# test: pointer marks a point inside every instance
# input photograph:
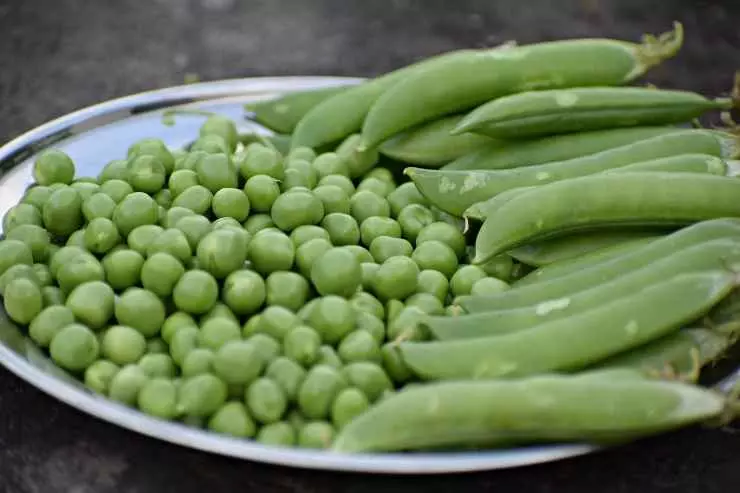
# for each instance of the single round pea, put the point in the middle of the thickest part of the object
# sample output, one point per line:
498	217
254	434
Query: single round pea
265	400
413	219
309	252
375	227
221	252
223	127
231	202
156	345
52	296
196	292
363	301
333	318
153	147
174	322
372	325
288	374
302	152
368	377
116	189
22	214
173	242
182	342
99	205
318	390
334	198
259	159
279	434
426	302
376	185
296	208
396	278
158	397
244	292
336	272
299	173
361	253
403	196
287	289
196	362
163	198
195	227
53	166
101	235
48	322
463	280
35	237
340	181
116	169
160	273
37	196
500	267
258	222
433	282
127	383
216	332
123	345
365	204
277	321
98	376
342	229
384	247
62	213
349	403
141	237
79	270
383	174
233	419
22	300
123	268
268	347
201	395
135	210
197	198
74	347
393	364
435	255
181	180
262	191
215	172
329	357
173	215
488	286
359	345
444	232
146	174
85	188
92	303
142	310
159	365
19	271
316	435
238	362
307	232
219	310
77	239
270	251
368	274
329	163
195	155
302	344
14	252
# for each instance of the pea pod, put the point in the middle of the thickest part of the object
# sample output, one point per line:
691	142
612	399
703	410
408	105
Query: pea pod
469	79
536	409
515	154
593	335
540	113
283	113
431	144
594	275
709	256
454	191
598	201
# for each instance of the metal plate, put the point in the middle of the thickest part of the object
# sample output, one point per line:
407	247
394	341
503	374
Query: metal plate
95	135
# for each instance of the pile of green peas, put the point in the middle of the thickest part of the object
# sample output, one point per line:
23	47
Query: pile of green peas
233	287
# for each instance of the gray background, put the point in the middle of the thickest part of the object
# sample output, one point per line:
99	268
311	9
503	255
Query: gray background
60	55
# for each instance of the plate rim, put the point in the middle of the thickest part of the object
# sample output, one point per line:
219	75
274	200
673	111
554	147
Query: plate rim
206	441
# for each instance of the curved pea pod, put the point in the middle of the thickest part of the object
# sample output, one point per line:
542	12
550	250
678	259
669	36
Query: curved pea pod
470	79
431	144
540	113
706	257
454	191
599	273
578	341
516	154
283	113
607	200
536	409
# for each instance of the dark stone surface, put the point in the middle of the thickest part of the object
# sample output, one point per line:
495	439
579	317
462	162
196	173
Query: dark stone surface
60	55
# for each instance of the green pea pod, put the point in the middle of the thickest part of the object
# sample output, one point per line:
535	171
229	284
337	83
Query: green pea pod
540	113
282	114
454	191
516	154
469	79
593	335
606	200
431	144
594	275
537	409
710	256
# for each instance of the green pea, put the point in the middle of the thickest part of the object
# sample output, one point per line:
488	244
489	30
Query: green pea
123	345
158	365
35	237
197	198
182	342
270	251
98	376
318	390
52	296
309	252
296	208
215	172
196	292
250	326
244	292
140	309
329	163
359	345
221	252
302	152
79	270
280	434
116	190
158	397
365	302
403	196
358	163
375	227
383	174
488	286
146	173
334	198
277	321
156	345
288	374
368	274
365	204
160	273
101	235
340	181
426	302
287	289
74	347
22	214
261	160
77	239
384	247
463	280
92	303
19	271
181	180
136	209
372	325
201	395
231	202
329	357
22	300
349	403
153	147
361	254
376	185
262	191
217	331
446	233
396	278
500	267
267	346
299	173
266	400
171	241
407	326
141	237
233	419
37	196
302	344
370	378
123	268
342	229
15	252
223	127
163	198
333	317
394	365
174	322
127	383
305	233
195	227
196	362
336	272
62	213
85	188
173	215
48	322
53	166
116	169
99	205
435	255
316	435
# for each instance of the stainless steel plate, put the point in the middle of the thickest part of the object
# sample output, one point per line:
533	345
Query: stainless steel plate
95	135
